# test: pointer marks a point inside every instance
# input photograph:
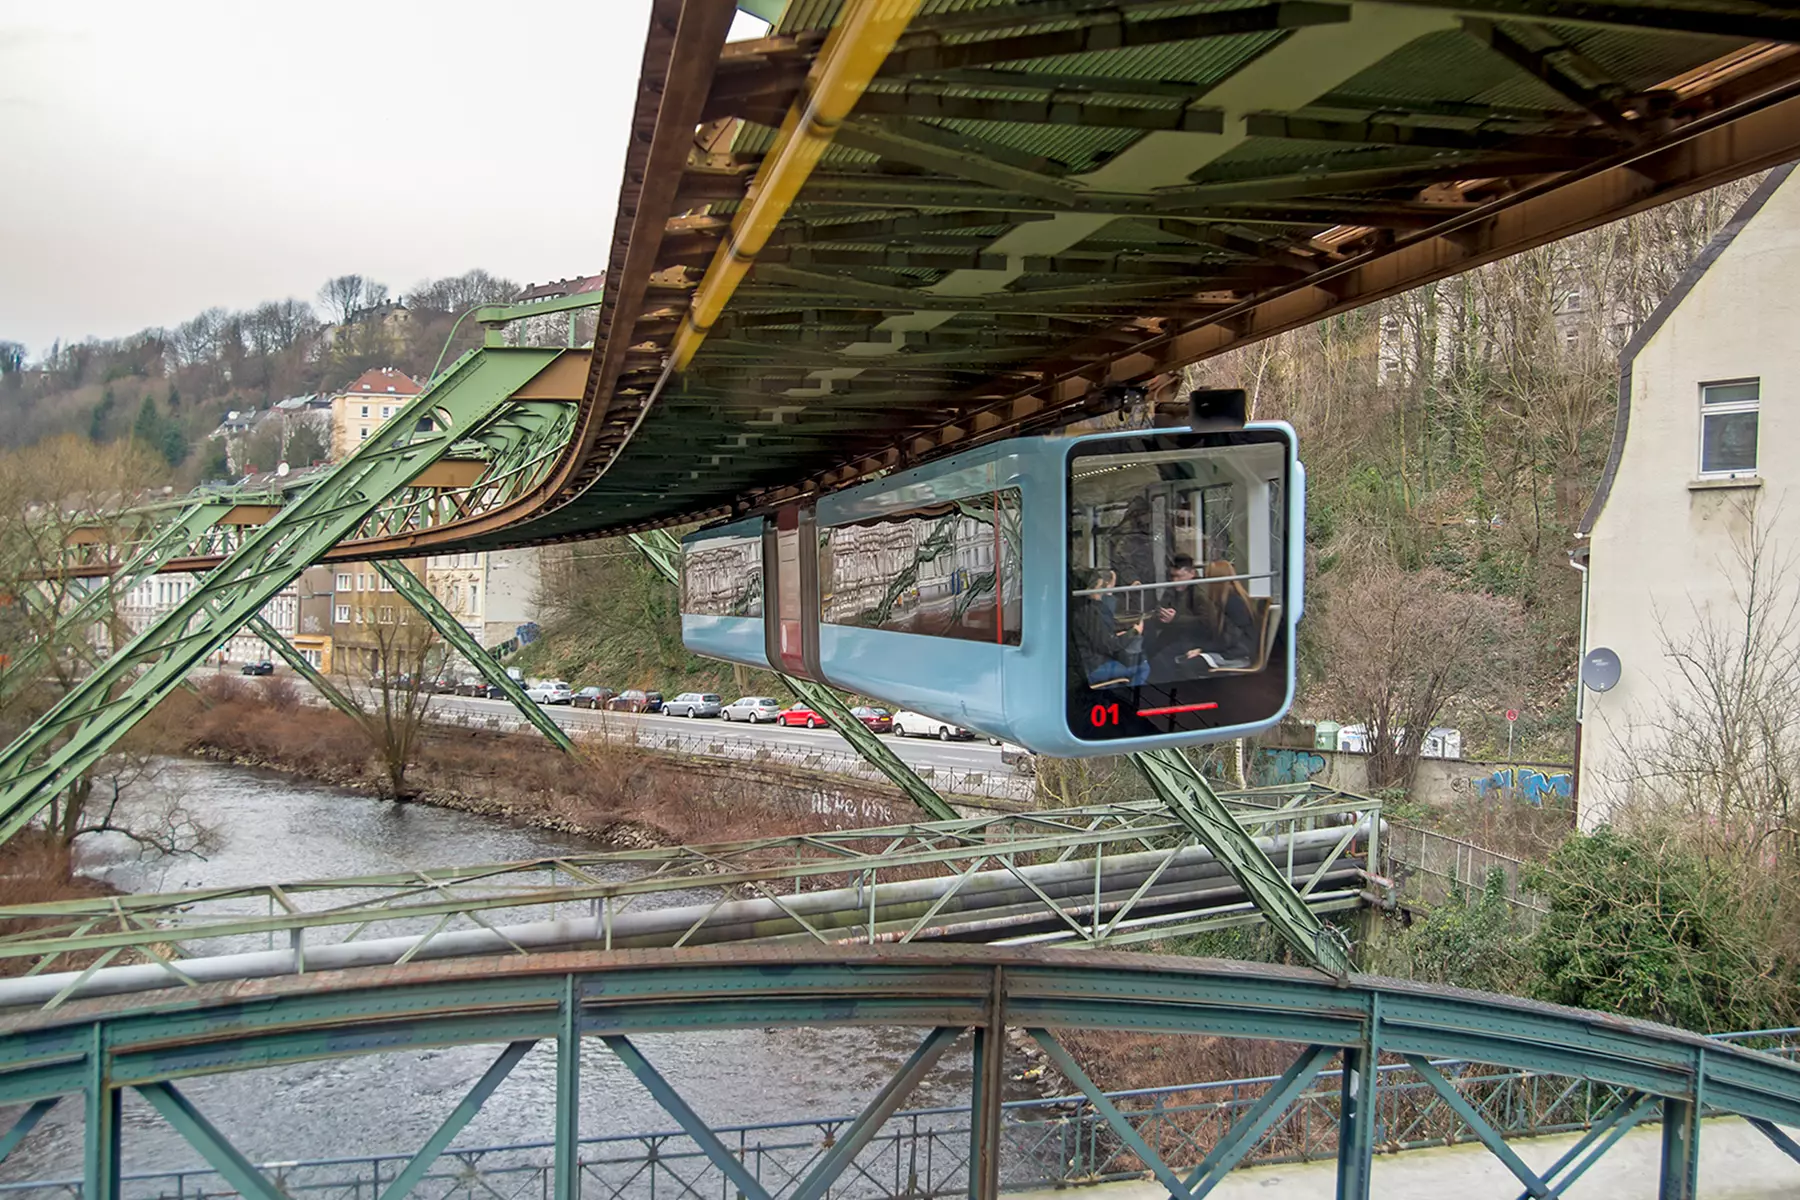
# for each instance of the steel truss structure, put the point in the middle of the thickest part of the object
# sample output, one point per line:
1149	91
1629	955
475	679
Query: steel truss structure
1108	875
97	1051
455	410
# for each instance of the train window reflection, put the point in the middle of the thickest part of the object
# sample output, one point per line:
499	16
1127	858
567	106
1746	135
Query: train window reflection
949	570
1177	549
723	577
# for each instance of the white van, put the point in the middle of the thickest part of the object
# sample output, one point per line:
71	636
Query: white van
911	724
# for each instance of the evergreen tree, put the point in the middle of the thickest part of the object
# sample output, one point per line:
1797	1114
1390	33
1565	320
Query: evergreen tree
102	414
174	444
218	464
174	399
147	429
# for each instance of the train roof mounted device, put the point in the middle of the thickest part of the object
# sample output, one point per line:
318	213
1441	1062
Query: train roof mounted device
1076	595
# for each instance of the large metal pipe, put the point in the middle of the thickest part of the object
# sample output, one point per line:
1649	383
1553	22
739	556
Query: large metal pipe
982	897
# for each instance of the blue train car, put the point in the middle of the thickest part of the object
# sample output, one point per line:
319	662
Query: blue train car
1077	595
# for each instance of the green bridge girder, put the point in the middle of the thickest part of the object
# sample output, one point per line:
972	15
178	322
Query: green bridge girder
413	591
86	723
170	541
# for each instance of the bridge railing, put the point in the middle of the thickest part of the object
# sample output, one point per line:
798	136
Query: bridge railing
1058	1141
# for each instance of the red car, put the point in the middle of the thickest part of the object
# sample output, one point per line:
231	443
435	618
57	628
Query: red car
802	715
879	720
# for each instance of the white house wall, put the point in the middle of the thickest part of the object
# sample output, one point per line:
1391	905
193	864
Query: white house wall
1661	547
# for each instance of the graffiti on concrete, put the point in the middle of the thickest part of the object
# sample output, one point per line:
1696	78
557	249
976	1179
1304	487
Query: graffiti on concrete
1277	766
1527	783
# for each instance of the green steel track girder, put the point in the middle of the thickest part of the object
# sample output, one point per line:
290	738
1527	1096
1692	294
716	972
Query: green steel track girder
84	725
413	590
461	1115
168	542
664	553
293	658
1179	784
214	1147
21	1128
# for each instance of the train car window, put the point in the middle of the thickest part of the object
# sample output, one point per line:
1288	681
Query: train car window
723	577
950	570
1177	549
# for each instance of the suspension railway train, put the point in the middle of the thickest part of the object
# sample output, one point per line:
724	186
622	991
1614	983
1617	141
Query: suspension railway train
1076	595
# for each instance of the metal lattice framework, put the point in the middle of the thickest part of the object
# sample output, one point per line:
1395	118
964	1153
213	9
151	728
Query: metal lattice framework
97	1051
1109	875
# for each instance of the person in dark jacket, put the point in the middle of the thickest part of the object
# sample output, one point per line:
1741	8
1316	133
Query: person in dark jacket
1099	645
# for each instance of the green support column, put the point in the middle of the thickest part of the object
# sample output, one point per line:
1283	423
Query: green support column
664	553
1181	786
988	1095
169	542
293	658
100	1136
69	739
566	1168
1681	1139
413	590
1356	1124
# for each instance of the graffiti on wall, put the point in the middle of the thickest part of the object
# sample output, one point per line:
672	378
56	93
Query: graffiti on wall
1527	783
1276	766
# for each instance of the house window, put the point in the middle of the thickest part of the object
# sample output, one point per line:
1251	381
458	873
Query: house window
342	615
365	410
365	436
386	412
1728	427
474	596
386	585
387	615
343	583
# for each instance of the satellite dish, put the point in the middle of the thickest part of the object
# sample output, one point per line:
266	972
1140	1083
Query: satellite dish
1600	669
281	469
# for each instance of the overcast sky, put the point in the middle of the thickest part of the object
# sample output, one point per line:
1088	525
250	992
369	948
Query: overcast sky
163	158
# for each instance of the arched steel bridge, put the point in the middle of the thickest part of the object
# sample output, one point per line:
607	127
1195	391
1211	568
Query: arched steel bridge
92	1053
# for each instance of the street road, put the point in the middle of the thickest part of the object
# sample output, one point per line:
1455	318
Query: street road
977	755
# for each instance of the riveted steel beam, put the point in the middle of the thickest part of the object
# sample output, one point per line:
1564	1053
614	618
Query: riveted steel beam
413	590
272	638
1180	785
213	1146
461	1115
1478	1125
76	732
728	1163
26	1122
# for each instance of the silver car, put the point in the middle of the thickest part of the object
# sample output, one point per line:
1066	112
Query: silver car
754	709
693	704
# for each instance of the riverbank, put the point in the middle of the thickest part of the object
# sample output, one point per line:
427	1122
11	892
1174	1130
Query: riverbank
615	795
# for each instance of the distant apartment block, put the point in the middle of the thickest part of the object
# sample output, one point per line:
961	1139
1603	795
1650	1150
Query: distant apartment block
369	402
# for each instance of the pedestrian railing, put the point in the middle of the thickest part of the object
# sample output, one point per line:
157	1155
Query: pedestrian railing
1055	1142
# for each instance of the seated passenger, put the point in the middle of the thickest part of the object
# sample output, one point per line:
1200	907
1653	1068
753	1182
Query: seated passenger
1235	640
1098	645
1180	626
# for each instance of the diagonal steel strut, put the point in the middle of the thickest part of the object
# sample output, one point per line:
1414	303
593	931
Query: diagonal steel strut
42	761
419	596
664	553
1179	784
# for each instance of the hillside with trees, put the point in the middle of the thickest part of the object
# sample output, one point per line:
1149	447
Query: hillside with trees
167	389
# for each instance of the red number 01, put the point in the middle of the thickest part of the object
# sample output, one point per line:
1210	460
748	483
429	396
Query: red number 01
1103	715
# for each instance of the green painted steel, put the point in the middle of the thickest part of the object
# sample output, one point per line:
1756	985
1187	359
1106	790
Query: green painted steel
1478	1125
664	553
728	1163
101	1119
168	542
1126	1132
1230	1150
214	1147
413	590
293	658
24	1125
99	1049
461	1115
80	728
1180	785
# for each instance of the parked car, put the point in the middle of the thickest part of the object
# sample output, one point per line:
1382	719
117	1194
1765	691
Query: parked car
473	685
634	700
802	715
265	667
879	720
443	685
549	691
912	724
754	709
693	704
592	697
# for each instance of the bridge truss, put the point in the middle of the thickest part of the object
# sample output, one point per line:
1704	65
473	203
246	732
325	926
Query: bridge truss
953	996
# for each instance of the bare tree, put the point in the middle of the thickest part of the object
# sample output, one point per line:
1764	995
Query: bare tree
1720	751
61	501
344	296
1412	643
400	656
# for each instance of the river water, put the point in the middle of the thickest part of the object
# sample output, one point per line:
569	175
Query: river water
273	828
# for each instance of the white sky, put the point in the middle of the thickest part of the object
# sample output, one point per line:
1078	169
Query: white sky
157	159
